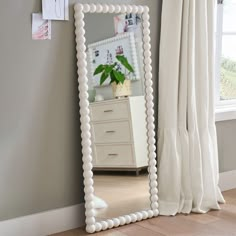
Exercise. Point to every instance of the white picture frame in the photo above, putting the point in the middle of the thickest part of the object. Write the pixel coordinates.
(98, 54)
(91, 224)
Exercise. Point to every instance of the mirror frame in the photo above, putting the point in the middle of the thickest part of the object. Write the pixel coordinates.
(91, 224)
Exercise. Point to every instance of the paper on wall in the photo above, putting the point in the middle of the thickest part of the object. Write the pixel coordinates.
(55, 9)
(129, 22)
(41, 29)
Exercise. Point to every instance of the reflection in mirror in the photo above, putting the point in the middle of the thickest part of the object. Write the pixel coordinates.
(117, 113)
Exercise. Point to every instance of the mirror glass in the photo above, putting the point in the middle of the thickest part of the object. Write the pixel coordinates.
(118, 114)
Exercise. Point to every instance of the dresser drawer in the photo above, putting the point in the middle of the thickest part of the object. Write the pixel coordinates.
(112, 132)
(114, 155)
(104, 112)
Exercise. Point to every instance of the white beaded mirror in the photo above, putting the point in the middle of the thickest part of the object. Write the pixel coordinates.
(118, 132)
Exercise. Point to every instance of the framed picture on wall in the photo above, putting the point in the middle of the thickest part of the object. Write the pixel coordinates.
(105, 52)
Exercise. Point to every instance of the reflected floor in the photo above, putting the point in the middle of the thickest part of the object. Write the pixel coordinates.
(123, 194)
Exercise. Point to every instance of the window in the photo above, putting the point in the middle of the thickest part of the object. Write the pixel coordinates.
(226, 53)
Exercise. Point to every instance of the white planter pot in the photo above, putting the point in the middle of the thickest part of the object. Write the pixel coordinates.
(121, 90)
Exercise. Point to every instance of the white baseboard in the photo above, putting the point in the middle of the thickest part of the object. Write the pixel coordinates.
(227, 180)
(45, 223)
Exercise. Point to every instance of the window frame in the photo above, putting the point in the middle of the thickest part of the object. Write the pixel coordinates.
(225, 109)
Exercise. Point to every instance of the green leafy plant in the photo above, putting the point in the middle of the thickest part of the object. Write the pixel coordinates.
(113, 72)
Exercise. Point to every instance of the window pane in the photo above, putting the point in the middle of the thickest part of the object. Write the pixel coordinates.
(229, 15)
(228, 68)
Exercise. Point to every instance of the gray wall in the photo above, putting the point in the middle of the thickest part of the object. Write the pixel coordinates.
(40, 152)
(103, 22)
(226, 134)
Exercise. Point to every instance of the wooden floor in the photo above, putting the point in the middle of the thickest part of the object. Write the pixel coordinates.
(215, 223)
(122, 193)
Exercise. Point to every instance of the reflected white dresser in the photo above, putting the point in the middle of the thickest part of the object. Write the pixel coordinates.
(119, 138)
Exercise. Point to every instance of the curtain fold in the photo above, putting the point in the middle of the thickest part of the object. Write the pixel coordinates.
(187, 147)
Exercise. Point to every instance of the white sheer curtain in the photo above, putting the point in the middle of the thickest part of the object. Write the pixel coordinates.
(187, 146)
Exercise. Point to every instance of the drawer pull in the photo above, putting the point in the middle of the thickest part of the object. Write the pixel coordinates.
(108, 111)
(110, 131)
(112, 154)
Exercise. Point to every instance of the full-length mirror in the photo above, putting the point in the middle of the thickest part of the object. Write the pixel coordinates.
(117, 110)
(113, 51)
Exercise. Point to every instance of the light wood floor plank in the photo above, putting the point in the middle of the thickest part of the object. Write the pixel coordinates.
(81, 232)
(135, 229)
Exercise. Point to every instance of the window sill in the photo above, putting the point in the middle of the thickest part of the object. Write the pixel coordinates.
(225, 113)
